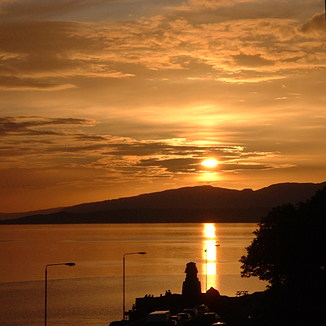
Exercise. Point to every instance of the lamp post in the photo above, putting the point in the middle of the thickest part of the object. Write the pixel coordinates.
(206, 269)
(124, 279)
(46, 287)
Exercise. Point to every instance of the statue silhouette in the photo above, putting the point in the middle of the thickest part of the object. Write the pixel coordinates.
(191, 288)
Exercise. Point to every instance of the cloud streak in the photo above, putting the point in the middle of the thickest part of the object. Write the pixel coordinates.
(235, 50)
(109, 152)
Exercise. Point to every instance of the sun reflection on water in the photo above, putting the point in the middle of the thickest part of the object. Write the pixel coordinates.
(209, 255)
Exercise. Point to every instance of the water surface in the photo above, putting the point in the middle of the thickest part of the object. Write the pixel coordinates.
(91, 292)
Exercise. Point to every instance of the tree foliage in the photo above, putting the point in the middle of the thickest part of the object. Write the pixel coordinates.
(289, 245)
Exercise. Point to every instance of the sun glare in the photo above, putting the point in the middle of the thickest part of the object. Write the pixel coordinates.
(209, 176)
(209, 163)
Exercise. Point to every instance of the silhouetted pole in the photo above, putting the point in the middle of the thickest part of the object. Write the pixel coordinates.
(46, 287)
(217, 245)
(124, 279)
(206, 269)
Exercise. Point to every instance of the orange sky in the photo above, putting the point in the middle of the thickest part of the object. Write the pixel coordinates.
(108, 98)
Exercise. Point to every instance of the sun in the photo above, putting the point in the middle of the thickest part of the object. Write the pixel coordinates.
(209, 163)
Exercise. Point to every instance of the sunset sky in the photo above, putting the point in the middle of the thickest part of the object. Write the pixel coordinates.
(102, 99)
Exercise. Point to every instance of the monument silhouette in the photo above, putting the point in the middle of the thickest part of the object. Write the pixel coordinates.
(191, 288)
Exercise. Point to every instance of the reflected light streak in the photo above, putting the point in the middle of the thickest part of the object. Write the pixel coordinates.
(211, 270)
(209, 230)
(209, 255)
(210, 250)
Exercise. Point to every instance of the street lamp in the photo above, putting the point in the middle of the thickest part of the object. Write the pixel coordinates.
(206, 269)
(124, 279)
(46, 287)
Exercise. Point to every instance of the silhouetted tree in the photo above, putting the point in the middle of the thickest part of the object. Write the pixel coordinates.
(289, 247)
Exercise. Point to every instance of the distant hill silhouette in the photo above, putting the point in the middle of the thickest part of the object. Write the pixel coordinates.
(189, 204)
(6, 216)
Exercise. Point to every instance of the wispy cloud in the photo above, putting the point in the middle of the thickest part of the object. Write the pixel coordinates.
(109, 152)
(52, 55)
(29, 125)
(18, 10)
(156, 86)
(315, 26)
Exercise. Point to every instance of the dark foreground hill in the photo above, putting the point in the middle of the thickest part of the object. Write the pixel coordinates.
(190, 204)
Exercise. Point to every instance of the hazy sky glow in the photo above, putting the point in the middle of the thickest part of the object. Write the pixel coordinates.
(108, 98)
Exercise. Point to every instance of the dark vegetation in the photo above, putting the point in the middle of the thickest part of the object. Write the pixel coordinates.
(289, 251)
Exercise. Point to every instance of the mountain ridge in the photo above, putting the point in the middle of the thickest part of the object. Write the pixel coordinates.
(186, 204)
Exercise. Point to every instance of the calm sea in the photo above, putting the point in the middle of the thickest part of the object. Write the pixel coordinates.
(90, 293)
